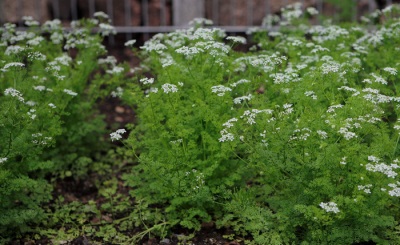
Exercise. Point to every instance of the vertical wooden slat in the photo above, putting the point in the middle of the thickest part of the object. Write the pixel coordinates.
(38, 12)
(20, 13)
(371, 6)
(232, 12)
(110, 12)
(250, 12)
(215, 11)
(56, 9)
(74, 9)
(128, 17)
(163, 15)
(92, 8)
(145, 16)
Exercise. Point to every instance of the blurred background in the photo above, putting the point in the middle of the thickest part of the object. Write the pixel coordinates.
(140, 16)
(139, 19)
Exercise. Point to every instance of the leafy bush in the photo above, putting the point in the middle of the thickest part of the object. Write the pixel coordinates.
(295, 141)
(48, 123)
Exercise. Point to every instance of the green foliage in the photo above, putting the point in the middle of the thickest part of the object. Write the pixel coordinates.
(296, 143)
(48, 124)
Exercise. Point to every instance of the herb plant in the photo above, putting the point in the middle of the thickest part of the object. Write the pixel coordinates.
(49, 126)
(295, 141)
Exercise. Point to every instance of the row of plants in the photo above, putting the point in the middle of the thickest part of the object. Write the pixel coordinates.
(293, 142)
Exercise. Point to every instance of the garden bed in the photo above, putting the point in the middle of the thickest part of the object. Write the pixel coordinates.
(293, 141)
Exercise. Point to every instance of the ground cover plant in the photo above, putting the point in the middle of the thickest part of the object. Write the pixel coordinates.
(49, 127)
(293, 142)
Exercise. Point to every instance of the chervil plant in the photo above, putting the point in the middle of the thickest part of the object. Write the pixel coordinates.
(48, 124)
(295, 141)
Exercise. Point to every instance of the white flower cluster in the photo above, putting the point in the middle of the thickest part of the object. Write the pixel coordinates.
(3, 160)
(346, 133)
(395, 192)
(169, 88)
(330, 67)
(70, 92)
(353, 90)
(226, 136)
(29, 21)
(38, 139)
(322, 134)
(239, 82)
(12, 64)
(36, 56)
(115, 70)
(117, 93)
(100, 15)
(365, 188)
(106, 29)
(333, 108)
(13, 50)
(390, 70)
(31, 114)
(239, 100)
(319, 48)
(284, 77)
(146, 80)
(379, 79)
(374, 96)
(220, 89)
(189, 52)
(312, 11)
(300, 134)
(329, 207)
(288, 109)
(130, 43)
(237, 39)
(153, 45)
(229, 123)
(311, 94)
(376, 165)
(111, 60)
(175, 142)
(117, 135)
(14, 93)
(250, 115)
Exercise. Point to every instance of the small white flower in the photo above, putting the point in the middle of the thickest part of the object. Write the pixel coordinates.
(220, 89)
(3, 160)
(147, 80)
(117, 134)
(390, 70)
(169, 88)
(239, 100)
(39, 88)
(70, 92)
(100, 14)
(329, 207)
(14, 93)
(237, 39)
(118, 93)
(52, 105)
(130, 43)
(322, 134)
(13, 64)
(106, 29)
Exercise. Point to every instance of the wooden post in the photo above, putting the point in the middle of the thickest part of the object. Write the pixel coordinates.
(186, 10)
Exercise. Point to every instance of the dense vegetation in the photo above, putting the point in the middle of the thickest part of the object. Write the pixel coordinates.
(292, 142)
